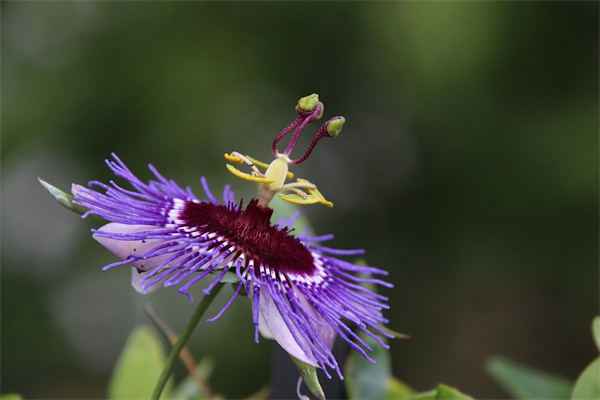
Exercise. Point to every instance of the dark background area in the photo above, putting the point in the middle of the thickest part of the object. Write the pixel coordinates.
(468, 168)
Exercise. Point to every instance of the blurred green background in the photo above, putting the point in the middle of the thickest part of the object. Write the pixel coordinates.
(468, 167)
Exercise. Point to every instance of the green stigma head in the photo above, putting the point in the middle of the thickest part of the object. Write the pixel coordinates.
(309, 103)
(334, 126)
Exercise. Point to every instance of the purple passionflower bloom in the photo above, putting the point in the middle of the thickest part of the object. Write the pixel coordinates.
(302, 294)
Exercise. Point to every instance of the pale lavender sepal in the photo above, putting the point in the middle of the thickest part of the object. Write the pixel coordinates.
(136, 282)
(272, 326)
(133, 249)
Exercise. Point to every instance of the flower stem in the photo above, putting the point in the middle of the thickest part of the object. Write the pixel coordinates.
(183, 338)
(185, 355)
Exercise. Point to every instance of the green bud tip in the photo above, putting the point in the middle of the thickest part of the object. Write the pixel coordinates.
(309, 103)
(63, 198)
(334, 126)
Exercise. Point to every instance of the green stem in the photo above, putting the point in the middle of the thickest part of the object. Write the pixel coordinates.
(183, 338)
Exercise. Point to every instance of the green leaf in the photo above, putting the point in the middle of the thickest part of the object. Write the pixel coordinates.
(397, 389)
(523, 382)
(596, 331)
(309, 376)
(587, 385)
(445, 392)
(139, 366)
(442, 392)
(188, 388)
(63, 198)
(428, 395)
(365, 380)
(11, 396)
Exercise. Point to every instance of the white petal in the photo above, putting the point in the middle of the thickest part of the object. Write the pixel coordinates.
(136, 281)
(263, 328)
(126, 248)
(271, 325)
(277, 328)
(325, 330)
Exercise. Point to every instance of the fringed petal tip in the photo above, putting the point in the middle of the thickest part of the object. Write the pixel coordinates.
(185, 292)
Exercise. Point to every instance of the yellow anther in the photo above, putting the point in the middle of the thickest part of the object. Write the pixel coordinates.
(322, 199)
(297, 199)
(248, 177)
(258, 163)
(312, 189)
(233, 159)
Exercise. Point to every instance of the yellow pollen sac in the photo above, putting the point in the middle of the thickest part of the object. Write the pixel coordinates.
(300, 197)
(248, 177)
(233, 159)
(315, 192)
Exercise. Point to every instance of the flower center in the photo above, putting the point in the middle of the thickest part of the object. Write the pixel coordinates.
(252, 234)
